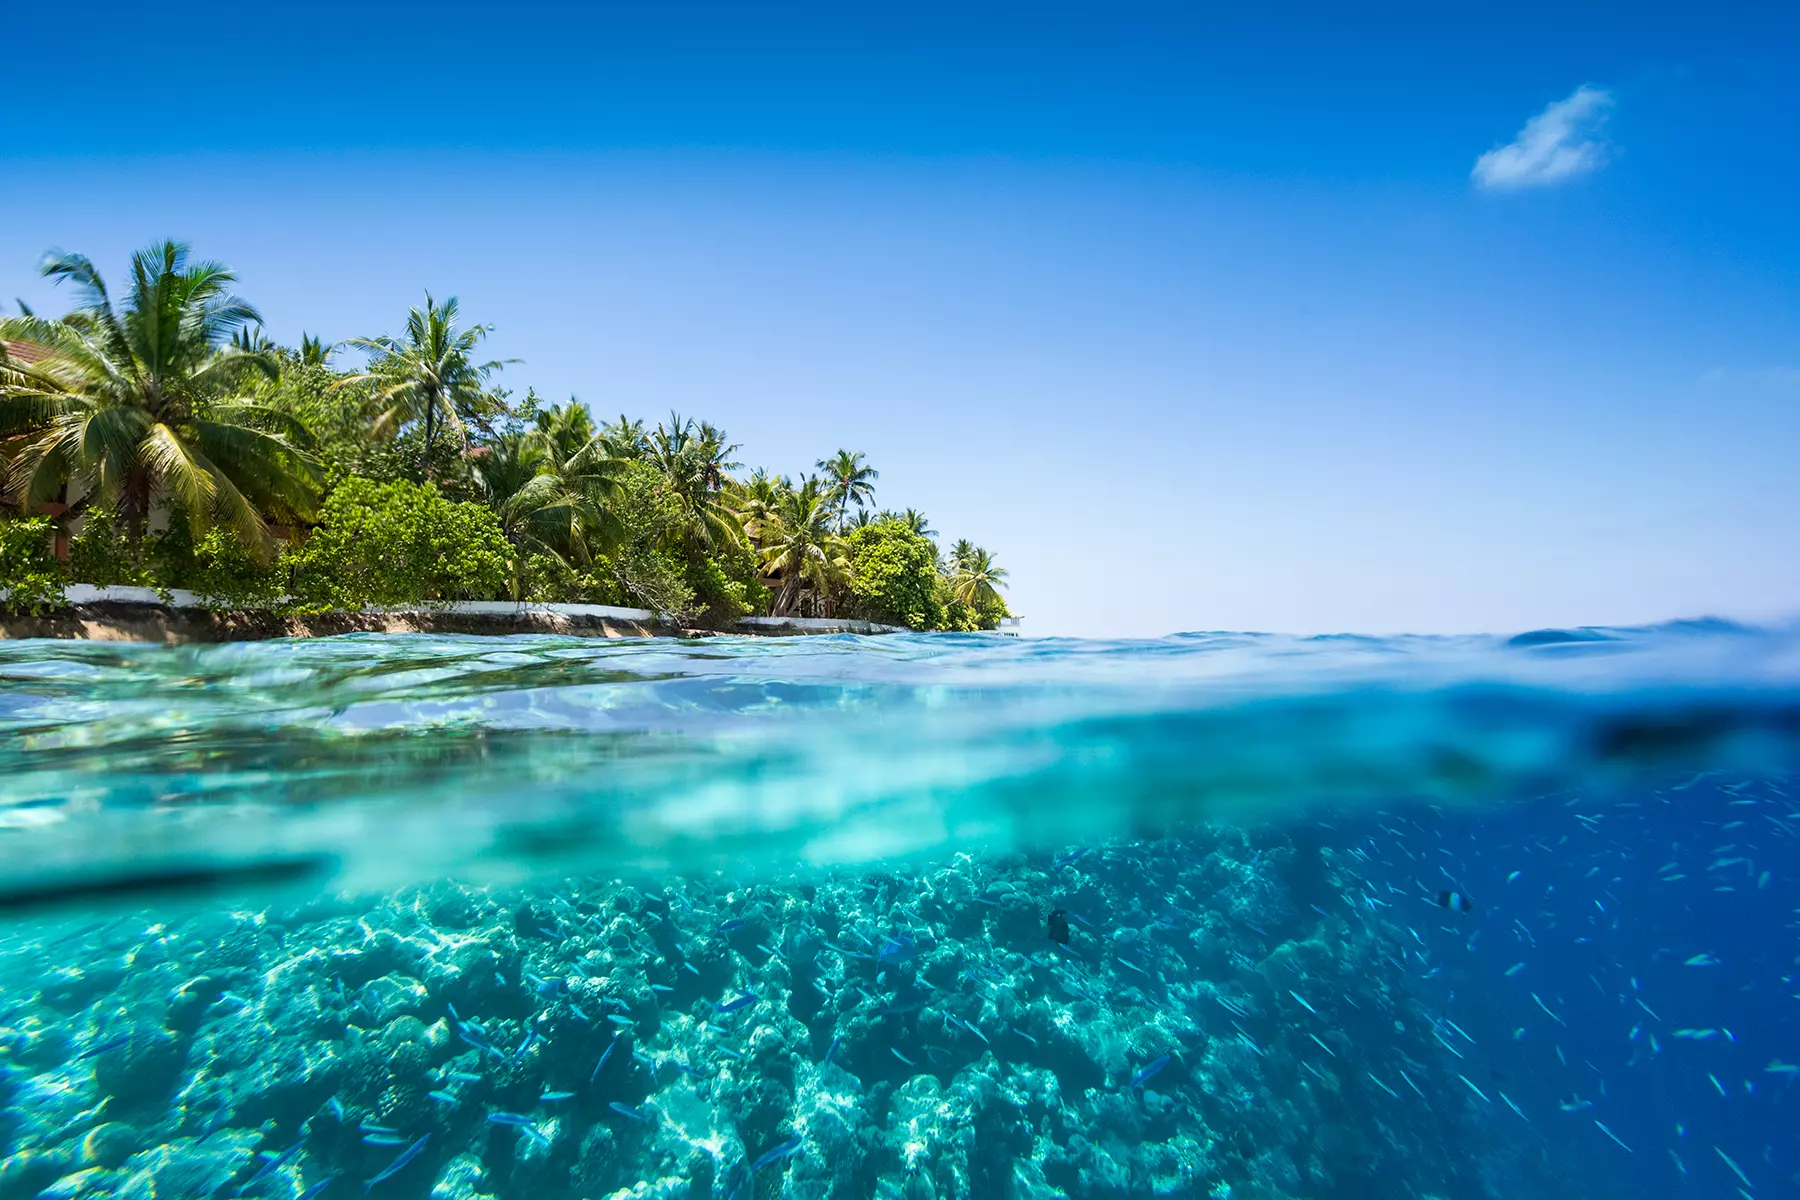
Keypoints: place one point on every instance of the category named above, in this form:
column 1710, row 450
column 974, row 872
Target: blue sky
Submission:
column 1434, row 323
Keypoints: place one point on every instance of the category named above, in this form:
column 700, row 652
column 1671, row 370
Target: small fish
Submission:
column 111, row 1043
column 1455, row 902
column 909, row 1062
column 318, row 1189
column 728, row 926
column 1149, row 1071
column 1515, row 969
column 832, row 1052
column 625, row 1110
column 1615, row 1137
column 616, row 1019
column 393, row 1168
column 508, row 1118
column 555, row 1097
column 1735, row 1169
column 383, row 1139
column 274, row 1164
column 444, row 1097
column 1058, row 926
column 787, row 1149
column 731, row 1006
column 1303, row 1004
column 1702, row 960
column 604, row 1055
column 464, row 1076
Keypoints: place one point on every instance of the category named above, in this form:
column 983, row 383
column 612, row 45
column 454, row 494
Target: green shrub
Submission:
column 217, row 567
column 726, row 586
column 101, row 554
column 894, row 575
column 397, row 544
column 31, row 574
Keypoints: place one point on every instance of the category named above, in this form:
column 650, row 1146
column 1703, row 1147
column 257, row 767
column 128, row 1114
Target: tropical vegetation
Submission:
column 161, row 438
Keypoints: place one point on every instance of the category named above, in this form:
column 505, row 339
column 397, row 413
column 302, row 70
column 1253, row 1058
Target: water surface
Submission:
column 553, row 917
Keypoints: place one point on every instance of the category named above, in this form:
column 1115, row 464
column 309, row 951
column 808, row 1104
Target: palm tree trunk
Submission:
column 430, row 433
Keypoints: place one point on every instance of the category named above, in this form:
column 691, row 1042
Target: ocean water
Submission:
column 1214, row 915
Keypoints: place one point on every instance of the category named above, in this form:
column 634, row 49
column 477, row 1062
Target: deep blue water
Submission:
column 551, row 917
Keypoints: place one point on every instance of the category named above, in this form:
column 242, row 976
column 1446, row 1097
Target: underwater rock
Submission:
column 109, row 1145
column 90, row 1183
column 188, row 1005
column 67, row 989
column 393, row 996
column 24, row 1174
column 189, row 1168
column 41, row 1046
column 143, row 1070
column 461, row 1179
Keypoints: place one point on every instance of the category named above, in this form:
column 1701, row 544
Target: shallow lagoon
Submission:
column 465, row 917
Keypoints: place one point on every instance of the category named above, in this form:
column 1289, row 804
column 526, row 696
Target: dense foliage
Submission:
column 32, row 576
column 181, row 449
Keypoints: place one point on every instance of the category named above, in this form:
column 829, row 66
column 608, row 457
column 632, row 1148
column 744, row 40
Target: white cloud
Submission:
column 1559, row 143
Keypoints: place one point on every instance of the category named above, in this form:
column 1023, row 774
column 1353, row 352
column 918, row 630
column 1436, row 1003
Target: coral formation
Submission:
column 1205, row 1027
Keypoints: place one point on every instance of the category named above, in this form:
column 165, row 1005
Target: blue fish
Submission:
column 318, row 1189
column 111, row 1043
column 832, row 1053
column 406, row 1156
column 625, row 1110
column 604, row 1055
column 786, row 1150
column 273, row 1165
column 734, row 923
column 555, row 1097
column 899, row 949
column 743, row 1001
column 508, row 1118
column 383, row 1139
column 443, row 1097
column 1149, row 1070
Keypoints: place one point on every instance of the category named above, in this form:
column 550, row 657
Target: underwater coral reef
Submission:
column 1225, row 1014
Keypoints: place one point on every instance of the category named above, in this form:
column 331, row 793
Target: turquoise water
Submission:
column 472, row 917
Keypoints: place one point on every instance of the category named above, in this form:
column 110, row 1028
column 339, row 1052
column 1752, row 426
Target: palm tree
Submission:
column 852, row 482
column 143, row 403
column 755, row 500
column 976, row 580
column 696, row 461
column 430, row 376
column 563, row 507
column 570, row 426
column 914, row 520
column 626, row 438
column 315, row 353
column 801, row 547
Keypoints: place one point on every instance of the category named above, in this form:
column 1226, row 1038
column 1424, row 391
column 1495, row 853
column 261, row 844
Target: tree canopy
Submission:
column 165, row 439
